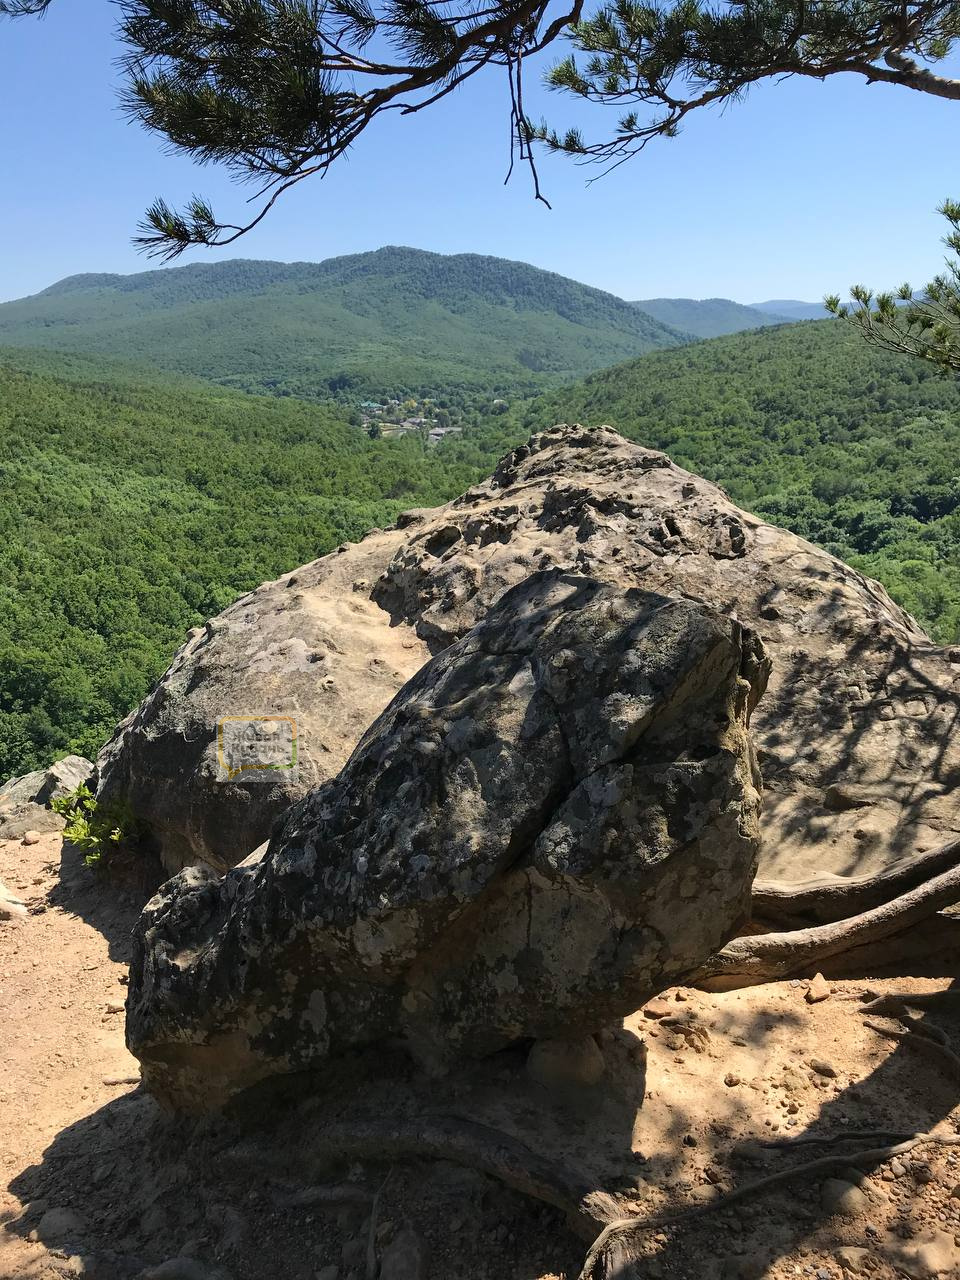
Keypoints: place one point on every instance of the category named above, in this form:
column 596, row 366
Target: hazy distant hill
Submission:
column 373, row 322
column 791, row 309
column 708, row 317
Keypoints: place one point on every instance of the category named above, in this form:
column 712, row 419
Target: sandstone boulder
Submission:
column 856, row 734
column 25, row 801
column 556, row 817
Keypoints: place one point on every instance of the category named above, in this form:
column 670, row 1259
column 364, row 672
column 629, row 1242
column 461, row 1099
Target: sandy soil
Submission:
column 98, row 1182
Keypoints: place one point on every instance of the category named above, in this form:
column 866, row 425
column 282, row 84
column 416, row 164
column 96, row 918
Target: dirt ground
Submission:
column 98, row 1182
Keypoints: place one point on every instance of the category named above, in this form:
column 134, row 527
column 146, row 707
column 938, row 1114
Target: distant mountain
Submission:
column 791, row 309
column 374, row 322
column 708, row 317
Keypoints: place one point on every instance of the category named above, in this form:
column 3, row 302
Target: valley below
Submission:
column 138, row 502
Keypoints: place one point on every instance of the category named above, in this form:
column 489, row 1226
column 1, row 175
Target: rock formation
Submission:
column 313, row 646
column 25, row 801
column 556, row 817
column 856, row 734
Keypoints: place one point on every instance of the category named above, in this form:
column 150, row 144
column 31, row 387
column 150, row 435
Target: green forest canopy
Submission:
column 131, row 510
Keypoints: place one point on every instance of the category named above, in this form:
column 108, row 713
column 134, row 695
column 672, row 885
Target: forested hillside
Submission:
column 133, row 510
column 708, row 317
column 807, row 425
column 390, row 322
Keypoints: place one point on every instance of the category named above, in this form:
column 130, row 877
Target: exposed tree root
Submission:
column 591, row 1213
column 931, row 1046
column 923, row 1028
column 615, row 1242
column 476, row 1146
column 933, row 951
column 767, row 957
column 826, row 900
column 373, row 1262
column 811, row 1139
column 895, row 1003
column 311, row 1197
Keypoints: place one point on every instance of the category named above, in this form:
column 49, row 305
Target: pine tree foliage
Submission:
column 925, row 325
column 279, row 90
column 673, row 59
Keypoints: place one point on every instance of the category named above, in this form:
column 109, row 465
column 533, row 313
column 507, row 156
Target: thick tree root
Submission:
column 895, row 1003
column 616, row 1242
column 372, row 1259
column 825, row 900
column 921, row 1027
column 932, row 951
column 479, row 1147
column 591, row 1213
column 767, row 957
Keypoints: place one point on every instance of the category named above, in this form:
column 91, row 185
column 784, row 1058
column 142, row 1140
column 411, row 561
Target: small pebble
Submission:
column 823, row 1068
column 852, row 1259
column 842, row 1198
column 817, row 989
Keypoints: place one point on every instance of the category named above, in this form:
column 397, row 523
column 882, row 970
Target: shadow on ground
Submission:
column 261, row 1192
column 111, row 906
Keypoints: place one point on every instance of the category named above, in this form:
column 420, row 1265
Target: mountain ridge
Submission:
column 791, row 308
column 374, row 322
column 708, row 317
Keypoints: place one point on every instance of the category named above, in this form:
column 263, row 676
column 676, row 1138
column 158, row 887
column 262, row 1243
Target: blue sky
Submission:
column 796, row 192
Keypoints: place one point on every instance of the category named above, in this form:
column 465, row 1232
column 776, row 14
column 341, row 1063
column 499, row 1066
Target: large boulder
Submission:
column 25, row 801
column 556, row 817
column 856, row 735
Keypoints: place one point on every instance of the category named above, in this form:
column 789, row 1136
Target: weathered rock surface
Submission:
column 856, row 734
column 555, row 818
column 311, row 645
column 25, row 801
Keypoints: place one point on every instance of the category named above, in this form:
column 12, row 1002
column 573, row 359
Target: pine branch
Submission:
column 23, row 8
column 926, row 326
